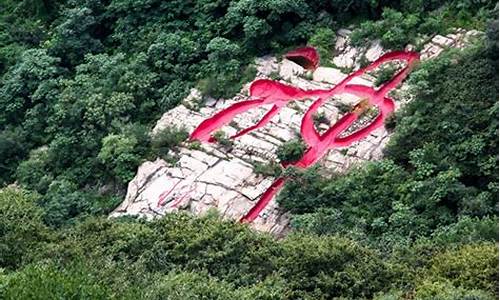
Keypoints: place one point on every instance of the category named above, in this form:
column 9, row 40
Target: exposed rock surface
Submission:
column 212, row 177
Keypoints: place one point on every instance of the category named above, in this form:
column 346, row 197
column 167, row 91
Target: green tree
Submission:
column 75, row 36
column 35, row 172
column 324, row 42
column 47, row 281
column 21, row 227
column 63, row 202
column 18, row 85
column 469, row 267
column 118, row 155
column 291, row 151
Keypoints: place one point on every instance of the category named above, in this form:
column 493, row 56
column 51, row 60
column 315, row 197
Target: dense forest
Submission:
column 82, row 82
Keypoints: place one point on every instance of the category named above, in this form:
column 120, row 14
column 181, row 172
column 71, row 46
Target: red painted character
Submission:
column 264, row 91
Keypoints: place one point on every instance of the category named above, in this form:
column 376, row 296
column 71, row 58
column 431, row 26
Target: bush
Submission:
column 21, row 227
column 469, row 147
column 384, row 74
column 467, row 230
column 291, row 151
column 194, row 145
column 118, row 154
column 221, row 138
column 168, row 139
column 469, row 267
column 320, row 118
column 228, row 81
column 324, row 41
column 33, row 172
column 271, row 169
column 390, row 122
column 190, row 285
column 395, row 29
column 446, row 291
column 300, row 194
column 334, row 267
column 343, row 108
column 46, row 281
column 64, row 202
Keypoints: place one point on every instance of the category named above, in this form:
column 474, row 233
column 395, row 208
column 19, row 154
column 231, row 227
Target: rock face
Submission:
column 212, row 177
column 439, row 43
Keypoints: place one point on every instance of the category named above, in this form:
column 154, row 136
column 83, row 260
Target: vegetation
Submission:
column 221, row 138
column 168, row 138
column 320, row 118
column 271, row 169
column 384, row 74
column 419, row 19
column 439, row 174
column 324, row 41
column 100, row 258
column 343, row 107
column 82, row 82
column 390, row 122
column 291, row 151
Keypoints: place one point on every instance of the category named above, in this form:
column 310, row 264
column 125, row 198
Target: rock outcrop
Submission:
column 211, row 177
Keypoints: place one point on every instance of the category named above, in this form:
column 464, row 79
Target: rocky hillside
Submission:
column 211, row 176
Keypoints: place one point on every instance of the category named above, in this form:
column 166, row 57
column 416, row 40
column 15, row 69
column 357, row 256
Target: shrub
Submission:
column 390, row 122
column 320, row 118
column 324, row 41
column 168, row 139
column 271, row 169
column 64, row 202
column 384, row 74
column 343, row 108
column 301, row 191
column 291, row 151
column 118, row 154
column 32, row 173
column 275, row 75
column 395, row 29
column 363, row 61
column 21, row 227
column 46, row 281
column 221, row 138
column 469, row 267
column 190, row 285
column 195, row 145
column 228, row 81
column 467, row 230
column 446, row 291
column 334, row 267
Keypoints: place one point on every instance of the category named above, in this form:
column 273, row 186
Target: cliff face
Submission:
column 214, row 177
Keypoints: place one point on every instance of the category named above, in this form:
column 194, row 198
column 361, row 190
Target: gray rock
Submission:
column 213, row 179
column 375, row 50
column 288, row 69
column 329, row 75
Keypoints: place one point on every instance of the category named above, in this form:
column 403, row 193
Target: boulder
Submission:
column 329, row 75
column 347, row 58
column 288, row 69
column 375, row 50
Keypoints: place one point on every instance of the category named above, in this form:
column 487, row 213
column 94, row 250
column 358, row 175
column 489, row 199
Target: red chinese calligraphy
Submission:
column 263, row 92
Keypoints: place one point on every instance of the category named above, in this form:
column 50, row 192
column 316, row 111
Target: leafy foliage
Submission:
column 435, row 190
column 168, row 138
column 21, row 227
column 270, row 169
column 419, row 19
column 324, row 41
column 291, row 151
column 195, row 257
